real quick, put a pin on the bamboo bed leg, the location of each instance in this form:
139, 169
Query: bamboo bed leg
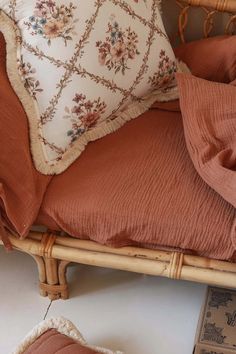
52, 277
62, 278
55, 285
42, 273
53, 254
52, 271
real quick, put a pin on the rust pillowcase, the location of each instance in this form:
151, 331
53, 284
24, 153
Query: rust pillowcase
21, 187
213, 59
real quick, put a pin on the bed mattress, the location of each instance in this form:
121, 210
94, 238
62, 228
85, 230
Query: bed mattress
138, 186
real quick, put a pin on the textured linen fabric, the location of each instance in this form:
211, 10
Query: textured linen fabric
21, 186
107, 61
120, 194
210, 131
233, 83
57, 335
212, 58
151, 197
52, 342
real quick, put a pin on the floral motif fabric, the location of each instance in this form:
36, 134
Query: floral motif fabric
87, 67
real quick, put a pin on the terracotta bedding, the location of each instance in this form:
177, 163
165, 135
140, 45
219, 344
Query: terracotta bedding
212, 58
141, 188
21, 186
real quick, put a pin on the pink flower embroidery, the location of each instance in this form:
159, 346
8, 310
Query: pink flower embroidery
27, 73
52, 21
165, 76
120, 47
119, 52
84, 115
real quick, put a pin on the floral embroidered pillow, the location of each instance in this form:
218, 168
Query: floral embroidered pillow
83, 68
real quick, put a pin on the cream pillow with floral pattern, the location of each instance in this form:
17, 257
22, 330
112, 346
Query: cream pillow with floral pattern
83, 68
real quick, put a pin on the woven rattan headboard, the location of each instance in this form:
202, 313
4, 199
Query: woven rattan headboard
211, 8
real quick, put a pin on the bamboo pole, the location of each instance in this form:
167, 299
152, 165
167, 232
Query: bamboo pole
42, 273
164, 256
131, 259
113, 261
207, 263
51, 265
219, 5
144, 266
93, 246
209, 276
62, 278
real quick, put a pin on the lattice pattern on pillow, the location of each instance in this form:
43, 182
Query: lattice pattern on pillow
84, 68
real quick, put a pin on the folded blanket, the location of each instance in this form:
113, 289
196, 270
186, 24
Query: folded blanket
209, 117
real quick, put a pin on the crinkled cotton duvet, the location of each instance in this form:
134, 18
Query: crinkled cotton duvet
153, 183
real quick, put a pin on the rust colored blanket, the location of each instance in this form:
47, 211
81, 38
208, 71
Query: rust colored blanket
139, 186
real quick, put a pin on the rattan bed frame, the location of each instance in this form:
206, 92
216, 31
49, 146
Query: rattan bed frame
53, 253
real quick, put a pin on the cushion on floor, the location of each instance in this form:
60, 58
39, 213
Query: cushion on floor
57, 335
139, 187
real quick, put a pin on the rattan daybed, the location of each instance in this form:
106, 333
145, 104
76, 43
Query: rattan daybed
53, 252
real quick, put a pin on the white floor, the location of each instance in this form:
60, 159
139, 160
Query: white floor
133, 313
